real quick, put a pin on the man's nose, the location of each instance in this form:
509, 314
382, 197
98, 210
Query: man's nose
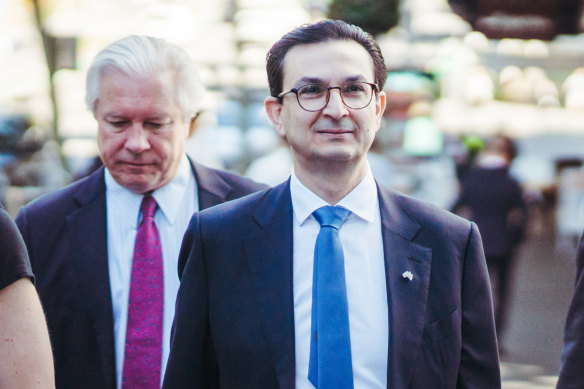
335, 107
137, 139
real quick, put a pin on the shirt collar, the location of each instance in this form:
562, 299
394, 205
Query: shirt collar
361, 201
492, 161
166, 197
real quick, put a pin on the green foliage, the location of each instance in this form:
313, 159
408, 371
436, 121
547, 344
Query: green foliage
373, 16
473, 143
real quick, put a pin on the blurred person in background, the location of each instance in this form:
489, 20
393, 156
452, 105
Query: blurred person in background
494, 200
572, 368
26, 360
105, 249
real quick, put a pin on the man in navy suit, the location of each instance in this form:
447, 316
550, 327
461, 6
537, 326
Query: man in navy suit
492, 198
144, 93
572, 369
419, 305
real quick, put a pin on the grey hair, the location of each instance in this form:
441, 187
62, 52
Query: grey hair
144, 56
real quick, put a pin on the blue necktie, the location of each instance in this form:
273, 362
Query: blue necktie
330, 342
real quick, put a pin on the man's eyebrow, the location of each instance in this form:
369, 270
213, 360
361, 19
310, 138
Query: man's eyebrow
359, 78
153, 116
158, 118
309, 80
114, 116
316, 80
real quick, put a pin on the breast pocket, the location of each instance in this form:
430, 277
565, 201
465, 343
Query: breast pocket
438, 364
443, 327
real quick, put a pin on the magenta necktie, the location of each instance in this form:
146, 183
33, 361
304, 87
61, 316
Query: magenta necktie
143, 355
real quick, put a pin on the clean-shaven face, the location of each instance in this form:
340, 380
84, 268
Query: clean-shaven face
141, 130
336, 133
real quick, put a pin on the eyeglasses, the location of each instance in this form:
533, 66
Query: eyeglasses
314, 97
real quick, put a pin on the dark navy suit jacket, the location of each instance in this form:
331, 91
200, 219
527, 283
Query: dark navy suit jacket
572, 370
66, 237
234, 323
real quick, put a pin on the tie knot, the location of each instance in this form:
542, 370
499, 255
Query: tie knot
331, 216
148, 206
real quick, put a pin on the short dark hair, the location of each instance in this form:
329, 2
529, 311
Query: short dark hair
325, 30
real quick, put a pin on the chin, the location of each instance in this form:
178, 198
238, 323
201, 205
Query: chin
339, 154
136, 186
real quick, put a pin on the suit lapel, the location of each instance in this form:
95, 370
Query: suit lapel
407, 298
269, 254
88, 229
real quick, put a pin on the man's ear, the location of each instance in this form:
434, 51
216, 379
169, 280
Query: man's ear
380, 105
274, 111
193, 125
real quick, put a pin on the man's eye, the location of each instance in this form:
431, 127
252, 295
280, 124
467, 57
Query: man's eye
118, 123
153, 125
311, 90
355, 88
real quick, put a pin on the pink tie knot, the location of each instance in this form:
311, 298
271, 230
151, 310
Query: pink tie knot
148, 206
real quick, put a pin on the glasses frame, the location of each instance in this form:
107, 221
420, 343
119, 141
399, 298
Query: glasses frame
374, 89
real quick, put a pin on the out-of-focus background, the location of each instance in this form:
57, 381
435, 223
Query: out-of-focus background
460, 71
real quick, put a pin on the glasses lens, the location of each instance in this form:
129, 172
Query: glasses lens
312, 97
356, 95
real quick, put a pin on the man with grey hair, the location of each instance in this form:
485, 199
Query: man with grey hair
105, 249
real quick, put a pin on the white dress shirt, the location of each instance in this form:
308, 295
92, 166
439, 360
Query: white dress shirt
176, 201
362, 243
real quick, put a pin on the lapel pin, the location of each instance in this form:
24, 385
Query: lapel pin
408, 275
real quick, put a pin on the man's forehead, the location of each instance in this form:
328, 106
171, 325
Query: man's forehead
346, 59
